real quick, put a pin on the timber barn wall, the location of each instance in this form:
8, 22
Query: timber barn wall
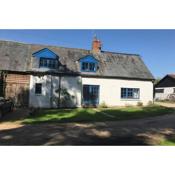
17, 88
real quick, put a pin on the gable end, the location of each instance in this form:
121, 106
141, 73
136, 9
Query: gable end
45, 53
167, 81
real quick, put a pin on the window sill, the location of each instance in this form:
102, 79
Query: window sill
128, 99
38, 94
87, 71
41, 67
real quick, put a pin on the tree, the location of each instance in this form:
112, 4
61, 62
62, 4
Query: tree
157, 80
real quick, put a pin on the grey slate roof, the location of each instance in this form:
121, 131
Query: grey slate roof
166, 81
16, 56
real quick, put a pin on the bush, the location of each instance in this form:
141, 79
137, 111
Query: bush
139, 103
103, 105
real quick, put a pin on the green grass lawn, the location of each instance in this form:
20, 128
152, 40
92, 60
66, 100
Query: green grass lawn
89, 114
167, 142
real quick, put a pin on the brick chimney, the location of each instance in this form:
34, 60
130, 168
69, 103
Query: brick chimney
96, 45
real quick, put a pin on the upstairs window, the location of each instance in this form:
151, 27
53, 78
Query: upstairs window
47, 58
88, 64
88, 67
92, 66
130, 93
48, 63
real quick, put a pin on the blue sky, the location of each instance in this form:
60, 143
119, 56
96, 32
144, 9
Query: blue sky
157, 47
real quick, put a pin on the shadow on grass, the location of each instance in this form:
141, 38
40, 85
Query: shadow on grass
138, 112
16, 115
85, 114
91, 115
88, 133
66, 116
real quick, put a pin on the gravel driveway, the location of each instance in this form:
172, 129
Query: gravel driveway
131, 132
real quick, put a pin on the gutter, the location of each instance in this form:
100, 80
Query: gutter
78, 74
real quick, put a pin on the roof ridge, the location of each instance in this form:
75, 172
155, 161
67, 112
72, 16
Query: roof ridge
44, 45
171, 74
122, 53
47, 45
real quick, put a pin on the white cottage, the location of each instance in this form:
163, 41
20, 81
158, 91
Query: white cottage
67, 77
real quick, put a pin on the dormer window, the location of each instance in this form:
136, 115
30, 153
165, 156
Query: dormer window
48, 63
88, 64
89, 67
47, 59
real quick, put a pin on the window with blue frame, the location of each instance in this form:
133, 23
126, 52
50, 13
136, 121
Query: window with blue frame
88, 64
92, 66
130, 93
47, 58
48, 63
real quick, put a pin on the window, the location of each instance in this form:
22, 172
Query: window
88, 66
92, 66
85, 66
90, 94
49, 63
159, 90
38, 88
130, 93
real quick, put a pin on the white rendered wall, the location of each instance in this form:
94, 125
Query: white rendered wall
42, 100
74, 87
49, 96
165, 94
110, 90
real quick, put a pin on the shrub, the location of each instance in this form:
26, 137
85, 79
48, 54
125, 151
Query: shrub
103, 105
66, 99
139, 103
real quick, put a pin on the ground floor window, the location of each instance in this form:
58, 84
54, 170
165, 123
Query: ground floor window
38, 88
173, 90
130, 93
90, 94
159, 90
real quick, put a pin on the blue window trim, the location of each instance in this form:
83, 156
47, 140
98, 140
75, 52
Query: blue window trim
90, 102
46, 51
46, 54
128, 97
88, 59
48, 59
88, 70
